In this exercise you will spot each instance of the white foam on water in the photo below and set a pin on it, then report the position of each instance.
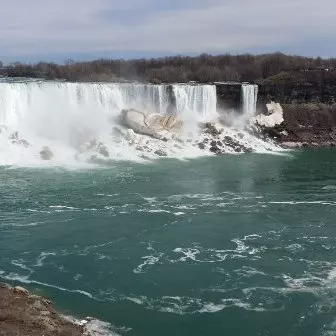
(26, 280)
(149, 261)
(43, 255)
(322, 202)
(332, 275)
(21, 265)
(179, 213)
(182, 305)
(157, 211)
(95, 327)
(329, 187)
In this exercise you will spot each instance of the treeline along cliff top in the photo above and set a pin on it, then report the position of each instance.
(276, 68)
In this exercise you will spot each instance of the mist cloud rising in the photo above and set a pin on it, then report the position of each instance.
(159, 26)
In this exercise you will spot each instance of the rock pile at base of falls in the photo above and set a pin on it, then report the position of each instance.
(15, 139)
(210, 138)
(215, 141)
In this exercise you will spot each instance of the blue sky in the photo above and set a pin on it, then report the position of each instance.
(32, 30)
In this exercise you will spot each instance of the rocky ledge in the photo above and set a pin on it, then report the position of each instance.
(23, 314)
(305, 125)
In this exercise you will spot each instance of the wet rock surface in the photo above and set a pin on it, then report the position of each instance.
(161, 152)
(217, 142)
(22, 314)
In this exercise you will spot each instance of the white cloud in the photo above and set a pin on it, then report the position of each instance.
(67, 26)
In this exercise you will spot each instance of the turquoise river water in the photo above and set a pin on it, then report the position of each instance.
(231, 245)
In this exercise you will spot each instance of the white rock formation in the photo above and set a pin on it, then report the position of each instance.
(154, 125)
(274, 116)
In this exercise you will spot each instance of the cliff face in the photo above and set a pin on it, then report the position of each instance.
(298, 93)
(309, 107)
(229, 96)
(310, 125)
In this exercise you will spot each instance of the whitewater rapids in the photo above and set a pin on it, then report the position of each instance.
(79, 123)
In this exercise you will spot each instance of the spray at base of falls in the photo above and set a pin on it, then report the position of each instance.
(72, 124)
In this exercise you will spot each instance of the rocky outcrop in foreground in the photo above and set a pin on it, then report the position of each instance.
(22, 314)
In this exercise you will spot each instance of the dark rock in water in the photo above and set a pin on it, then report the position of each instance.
(249, 150)
(23, 143)
(238, 150)
(212, 130)
(213, 143)
(201, 145)
(102, 150)
(230, 142)
(160, 152)
(272, 132)
(206, 140)
(215, 149)
(228, 139)
(15, 139)
(14, 136)
(46, 153)
(219, 143)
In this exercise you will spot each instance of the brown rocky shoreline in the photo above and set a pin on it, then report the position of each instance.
(24, 314)
(307, 125)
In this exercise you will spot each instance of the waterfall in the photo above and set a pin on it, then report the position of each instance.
(199, 101)
(76, 123)
(21, 98)
(63, 116)
(249, 100)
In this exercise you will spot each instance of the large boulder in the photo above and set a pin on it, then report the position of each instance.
(154, 125)
(136, 120)
(46, 153)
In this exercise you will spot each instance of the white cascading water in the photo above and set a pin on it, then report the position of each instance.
(196, 101)
(64, 116)
(249, 100)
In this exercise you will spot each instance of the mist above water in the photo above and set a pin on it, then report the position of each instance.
(69, 117)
